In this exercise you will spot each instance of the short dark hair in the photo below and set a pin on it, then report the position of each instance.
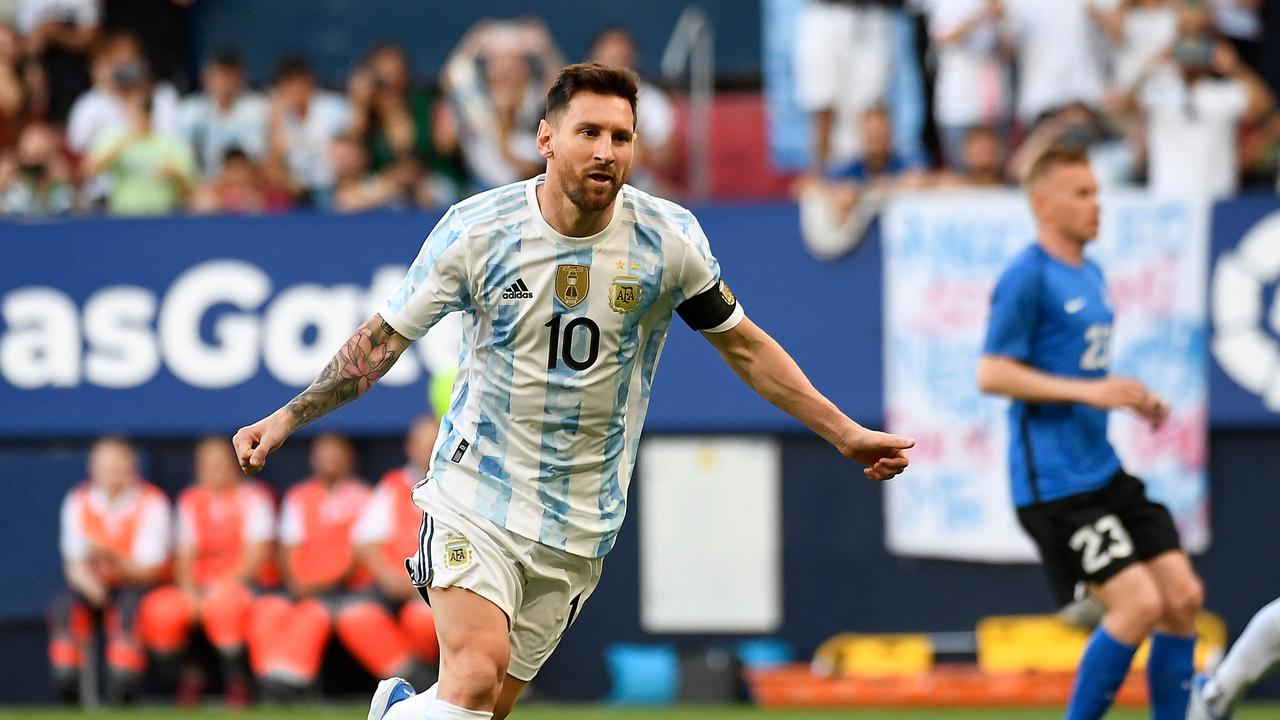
(1052, 158)
(595, 78)
(294, 67)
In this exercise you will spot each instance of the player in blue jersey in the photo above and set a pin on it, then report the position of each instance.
(1047, 349)
(568, 283)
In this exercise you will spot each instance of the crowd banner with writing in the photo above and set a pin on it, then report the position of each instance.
(942, 256)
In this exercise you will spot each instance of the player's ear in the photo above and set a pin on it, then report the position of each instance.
(544, 138)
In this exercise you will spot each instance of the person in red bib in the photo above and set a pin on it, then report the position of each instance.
(326, 588)
(388, 532)
(224, 533)
(114, 541)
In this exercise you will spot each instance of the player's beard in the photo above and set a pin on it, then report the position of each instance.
(574, 187)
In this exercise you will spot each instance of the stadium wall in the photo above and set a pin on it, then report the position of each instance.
(838, 575)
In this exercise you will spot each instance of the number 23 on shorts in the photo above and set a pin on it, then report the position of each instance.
(1100, 543)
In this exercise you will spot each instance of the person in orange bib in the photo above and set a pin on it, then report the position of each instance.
(224, 532)
(114, 541)
(387, 533)
(327, 590)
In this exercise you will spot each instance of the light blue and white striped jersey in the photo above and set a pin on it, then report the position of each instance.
(560, 343)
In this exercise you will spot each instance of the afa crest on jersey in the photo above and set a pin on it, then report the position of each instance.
(572, 284)
(625, 293)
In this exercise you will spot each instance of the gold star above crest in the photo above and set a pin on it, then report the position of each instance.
(635, 266)
(621, 265)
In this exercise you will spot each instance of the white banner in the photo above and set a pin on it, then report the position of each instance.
(942, 256)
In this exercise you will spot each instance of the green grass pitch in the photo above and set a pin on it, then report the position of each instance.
(595, 712)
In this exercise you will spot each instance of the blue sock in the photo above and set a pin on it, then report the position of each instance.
(1169, 671)
(1103, 668)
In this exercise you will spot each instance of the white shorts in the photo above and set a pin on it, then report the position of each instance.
(541, 589)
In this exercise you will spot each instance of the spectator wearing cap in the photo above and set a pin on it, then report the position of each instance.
(615, 46)
(495, 80)
(59, 36)
(224, 115)
(302, 122)
(972, 86)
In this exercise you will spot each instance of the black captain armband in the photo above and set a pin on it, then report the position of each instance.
(710, 309)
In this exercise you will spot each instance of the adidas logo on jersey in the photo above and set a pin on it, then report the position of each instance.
(517, 291)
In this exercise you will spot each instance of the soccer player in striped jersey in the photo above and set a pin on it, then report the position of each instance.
(568, 283)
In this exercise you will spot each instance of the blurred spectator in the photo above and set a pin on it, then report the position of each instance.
(327, 588)
(1113, 158)
(114, 543)
(835, 212)
(224, 115)
(843, 62)
(1194, 105)
(241, 188)
(1140, 32)
(1058, 62)
(224, 533)
(161, 28)
(881, 164)
(982, 162)
(35, 181)
(302, 123)
(656, 118)
(59, 35)
(355, 189)
(398, 123)
(388, 532)
(972, 85)
(118, 70)
(495, 80)
(21, 87)
(150, 172)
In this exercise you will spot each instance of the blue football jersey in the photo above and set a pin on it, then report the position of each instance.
(1056, 318)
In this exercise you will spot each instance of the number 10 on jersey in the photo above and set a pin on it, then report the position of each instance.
(558, 348)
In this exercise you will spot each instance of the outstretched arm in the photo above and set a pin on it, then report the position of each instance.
(766, 368)
(1000, 375)
(365, 358)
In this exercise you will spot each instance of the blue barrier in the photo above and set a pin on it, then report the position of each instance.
(173, 327)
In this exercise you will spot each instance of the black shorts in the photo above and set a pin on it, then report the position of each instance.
(1092, 536)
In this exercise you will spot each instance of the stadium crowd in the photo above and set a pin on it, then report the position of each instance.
(92, 120)
(94, 117)
(266, 588)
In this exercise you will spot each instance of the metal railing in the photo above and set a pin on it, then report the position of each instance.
(692, 45)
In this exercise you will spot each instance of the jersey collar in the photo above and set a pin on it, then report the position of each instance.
(530, 191)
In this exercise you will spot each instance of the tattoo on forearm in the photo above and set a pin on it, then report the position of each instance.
(366, 357)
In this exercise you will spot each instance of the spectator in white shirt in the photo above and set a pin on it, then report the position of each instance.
(224, 116)
(1140, 32)
(972, 85)
(302, 124)
(1058, 62)
(495, 80)
(118, 69)
(843, 62)
(1194, 105)
(614, 46)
